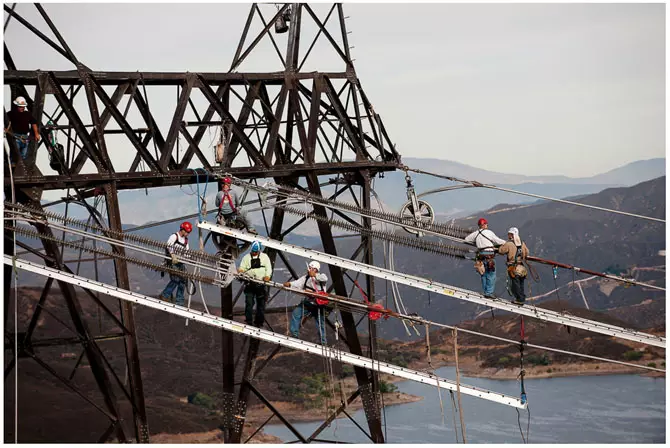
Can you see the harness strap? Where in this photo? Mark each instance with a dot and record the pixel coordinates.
(230, 201)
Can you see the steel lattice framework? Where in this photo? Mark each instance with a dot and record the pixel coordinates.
(305, 130)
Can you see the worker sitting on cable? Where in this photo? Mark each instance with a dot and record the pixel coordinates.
(21, 123)
(516, 252)
(177, 243)
(315, 282)
(229, 206)
(257, 265)
(486, 242)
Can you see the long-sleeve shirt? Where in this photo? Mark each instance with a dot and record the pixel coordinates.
(509, 249)
(176, 241)
(226, 207)
(258, 273)
(485, 240)
(316, 283)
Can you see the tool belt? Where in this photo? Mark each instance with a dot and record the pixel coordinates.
(255, 288)
(517, 270)
(485, 262)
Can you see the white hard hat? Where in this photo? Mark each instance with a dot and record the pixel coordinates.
(513, 231)
(21, 102)
(315, 265)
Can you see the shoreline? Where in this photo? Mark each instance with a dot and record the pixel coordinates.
(469, 366)
(300, 414)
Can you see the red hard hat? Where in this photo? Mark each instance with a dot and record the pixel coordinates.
(186, 226)
(227, 180)
(482, 221)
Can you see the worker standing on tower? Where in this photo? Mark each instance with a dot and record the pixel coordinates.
(256, 265)
(516, 252)
(315, 282)
(229, 207)
(21, 123)
(176, 244)
(486, 242)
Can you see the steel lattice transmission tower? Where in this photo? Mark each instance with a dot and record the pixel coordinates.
(311, 130)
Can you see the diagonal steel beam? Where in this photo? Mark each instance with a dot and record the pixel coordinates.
(238, 60)
(274, 145)
(193, 146)
(38, 33)
(117, 96)
(173, 132)
(237, 130)
(89, 87)
(247, 108)
(354, 137)
(156, 134)
(322, 27)
(127, 129)
(76, 122)
(197, 137)
(54, 30)
(274, 410)
(333, 416)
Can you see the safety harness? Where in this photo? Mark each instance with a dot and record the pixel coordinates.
(226, 195)
(176, 243)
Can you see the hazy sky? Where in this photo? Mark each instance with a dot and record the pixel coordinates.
(573, 89)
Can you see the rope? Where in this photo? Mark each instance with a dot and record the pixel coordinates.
(432, 370)
(458, 386)
(493, 187)
(522, 373)
(16, 302)
(454, 411)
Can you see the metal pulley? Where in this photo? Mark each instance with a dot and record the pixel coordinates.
(421, 212)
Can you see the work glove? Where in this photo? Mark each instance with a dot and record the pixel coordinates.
(266, 279)
(175, 260)
(287, 284)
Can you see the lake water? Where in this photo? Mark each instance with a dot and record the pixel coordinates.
(583, 409)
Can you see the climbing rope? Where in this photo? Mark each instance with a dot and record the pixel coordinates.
(520, 377)
(454, 412)
(15, 271)
(431, 370)
(458, 386)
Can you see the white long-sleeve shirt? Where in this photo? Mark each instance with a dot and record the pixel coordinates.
(317, 283)
(485, 240)
(175, 241)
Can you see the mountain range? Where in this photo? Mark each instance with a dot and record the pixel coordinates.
(162, 203)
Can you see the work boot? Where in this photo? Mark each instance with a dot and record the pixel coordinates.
(517, 302)
(166, 299)
(253, 231)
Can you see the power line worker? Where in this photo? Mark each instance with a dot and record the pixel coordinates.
(315, 282)
(176, 244)
(229, 207)
(516, 252)
(21, 123)
(486, 242)
(255, 264)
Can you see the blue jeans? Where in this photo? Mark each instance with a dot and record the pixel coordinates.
(176, 282)
(22, 144)
(489, 281)
(307, 309)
